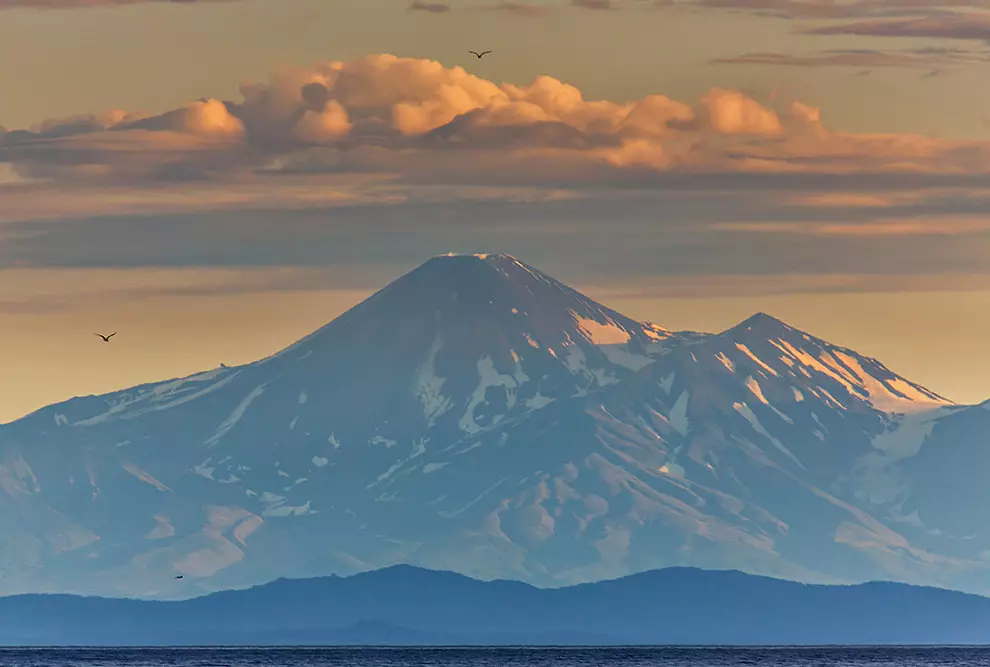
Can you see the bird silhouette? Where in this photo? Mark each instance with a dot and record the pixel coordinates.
(178, 576)
(106, 339)
(479, 54)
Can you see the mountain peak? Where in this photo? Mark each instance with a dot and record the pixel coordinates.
(762, 323)
(483, 256)
(782, 350)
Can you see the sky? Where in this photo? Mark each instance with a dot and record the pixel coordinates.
(214, 179)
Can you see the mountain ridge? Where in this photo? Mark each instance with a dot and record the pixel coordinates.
(412, 606)
(478, 415)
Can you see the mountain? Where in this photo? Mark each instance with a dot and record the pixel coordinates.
(476, 415)
(411, 606)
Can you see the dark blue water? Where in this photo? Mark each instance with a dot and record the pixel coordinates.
(496, 657)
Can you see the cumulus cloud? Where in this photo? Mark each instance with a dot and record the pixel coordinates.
(910, 59)
(418, 121)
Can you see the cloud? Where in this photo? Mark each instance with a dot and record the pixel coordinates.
(946, 25)
(594, 4)
(431, 7)
(880, 227)
(910, 59)
(605, 233)
(84, 4)
(848, 9)
(24, 291)
(513, 7)
(406, 121)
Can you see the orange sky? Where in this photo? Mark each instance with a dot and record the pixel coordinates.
(256, 176)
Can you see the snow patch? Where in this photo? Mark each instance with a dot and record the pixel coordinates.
(726, 362)
(620, 356)
(320, 461)
(427, 386)
(145, 477)
(678, 418)
(281, 510)
(754, 388)
(881, 393)
(204, 469)
(747, 413)
(745, 350)
(908, 434)
(163, 528)
(488, 377)
(595, 332)
(418, 449)
(236, 415)
(538, 401)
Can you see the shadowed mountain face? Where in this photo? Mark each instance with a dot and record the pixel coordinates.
(477, 415)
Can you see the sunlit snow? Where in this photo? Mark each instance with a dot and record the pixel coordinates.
(608, 333)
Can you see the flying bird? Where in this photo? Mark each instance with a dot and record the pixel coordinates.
(178, 577)
(479, 54)
(106, 339)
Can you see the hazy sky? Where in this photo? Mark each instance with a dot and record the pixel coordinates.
(215, 179)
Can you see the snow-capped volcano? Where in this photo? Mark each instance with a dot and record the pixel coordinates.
(478, 415)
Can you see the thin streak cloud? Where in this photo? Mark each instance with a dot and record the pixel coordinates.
(90, 4)
(910, 59)
(949, 25)
(431, 7)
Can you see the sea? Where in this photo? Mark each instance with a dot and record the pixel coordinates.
(848, 656)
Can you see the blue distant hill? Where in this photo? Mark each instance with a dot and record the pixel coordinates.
(404, 605)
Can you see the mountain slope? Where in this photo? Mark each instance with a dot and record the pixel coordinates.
(404, 605)
(479, 416)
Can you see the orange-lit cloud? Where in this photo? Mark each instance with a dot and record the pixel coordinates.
(419, 121)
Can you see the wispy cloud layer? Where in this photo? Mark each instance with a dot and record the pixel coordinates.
(947, 25)
(923, 58)
(843, 9)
